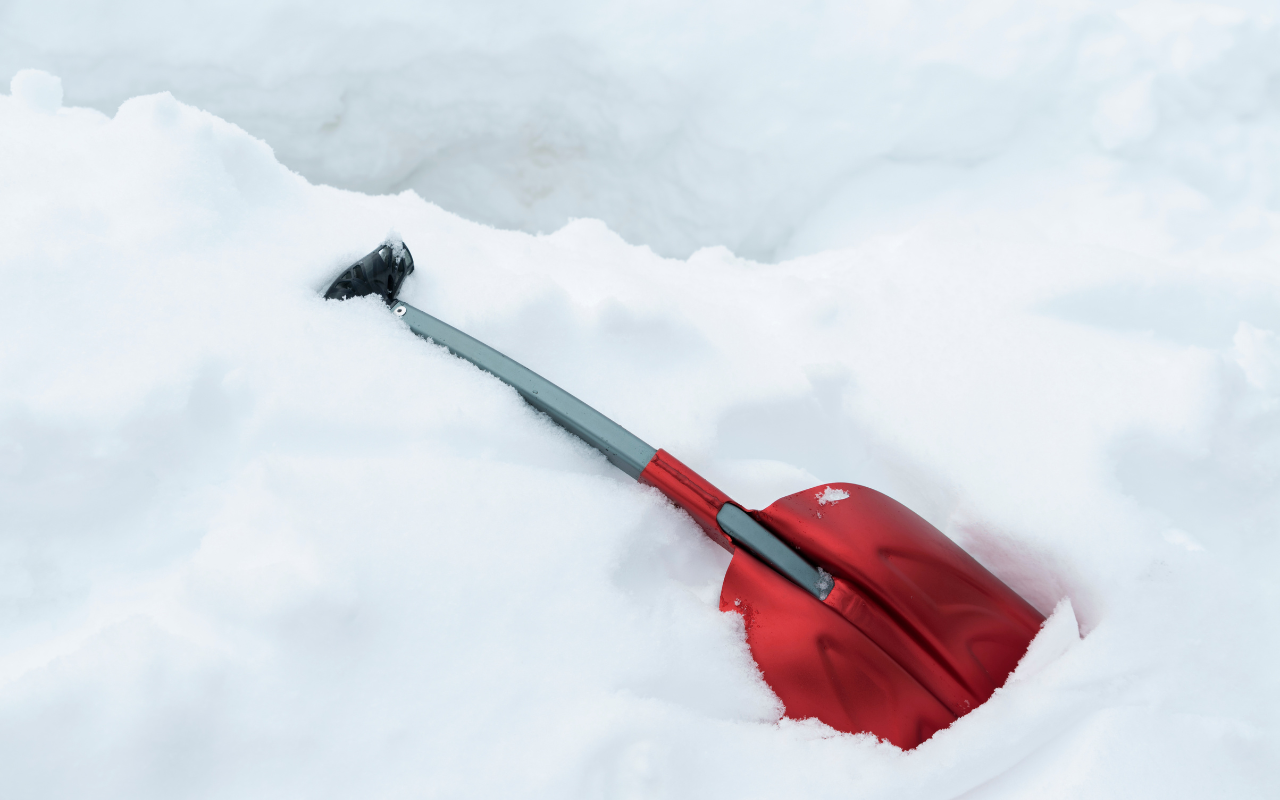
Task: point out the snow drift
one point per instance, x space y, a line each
256 544
773 128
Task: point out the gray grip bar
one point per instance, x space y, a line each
623 449
769 548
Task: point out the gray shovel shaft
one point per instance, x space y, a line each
623 449
619 445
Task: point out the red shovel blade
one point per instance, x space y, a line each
914 635
821 666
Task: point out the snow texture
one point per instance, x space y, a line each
1014 265
829 495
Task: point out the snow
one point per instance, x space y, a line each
37 90
830 495
772 129
1012 264
824 585
1059 634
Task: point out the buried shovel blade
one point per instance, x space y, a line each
915 599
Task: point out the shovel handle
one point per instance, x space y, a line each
723 520
624 449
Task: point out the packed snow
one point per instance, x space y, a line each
1014 265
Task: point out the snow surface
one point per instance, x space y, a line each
255 544
772 128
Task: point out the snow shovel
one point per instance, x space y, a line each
857 611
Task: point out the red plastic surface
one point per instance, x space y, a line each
690 491
955 627
914 635
821 666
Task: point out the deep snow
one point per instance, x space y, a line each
773 128
256 545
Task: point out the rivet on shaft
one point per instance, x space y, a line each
399 312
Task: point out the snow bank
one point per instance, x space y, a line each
768 127
256 544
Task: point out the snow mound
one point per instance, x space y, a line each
770 128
